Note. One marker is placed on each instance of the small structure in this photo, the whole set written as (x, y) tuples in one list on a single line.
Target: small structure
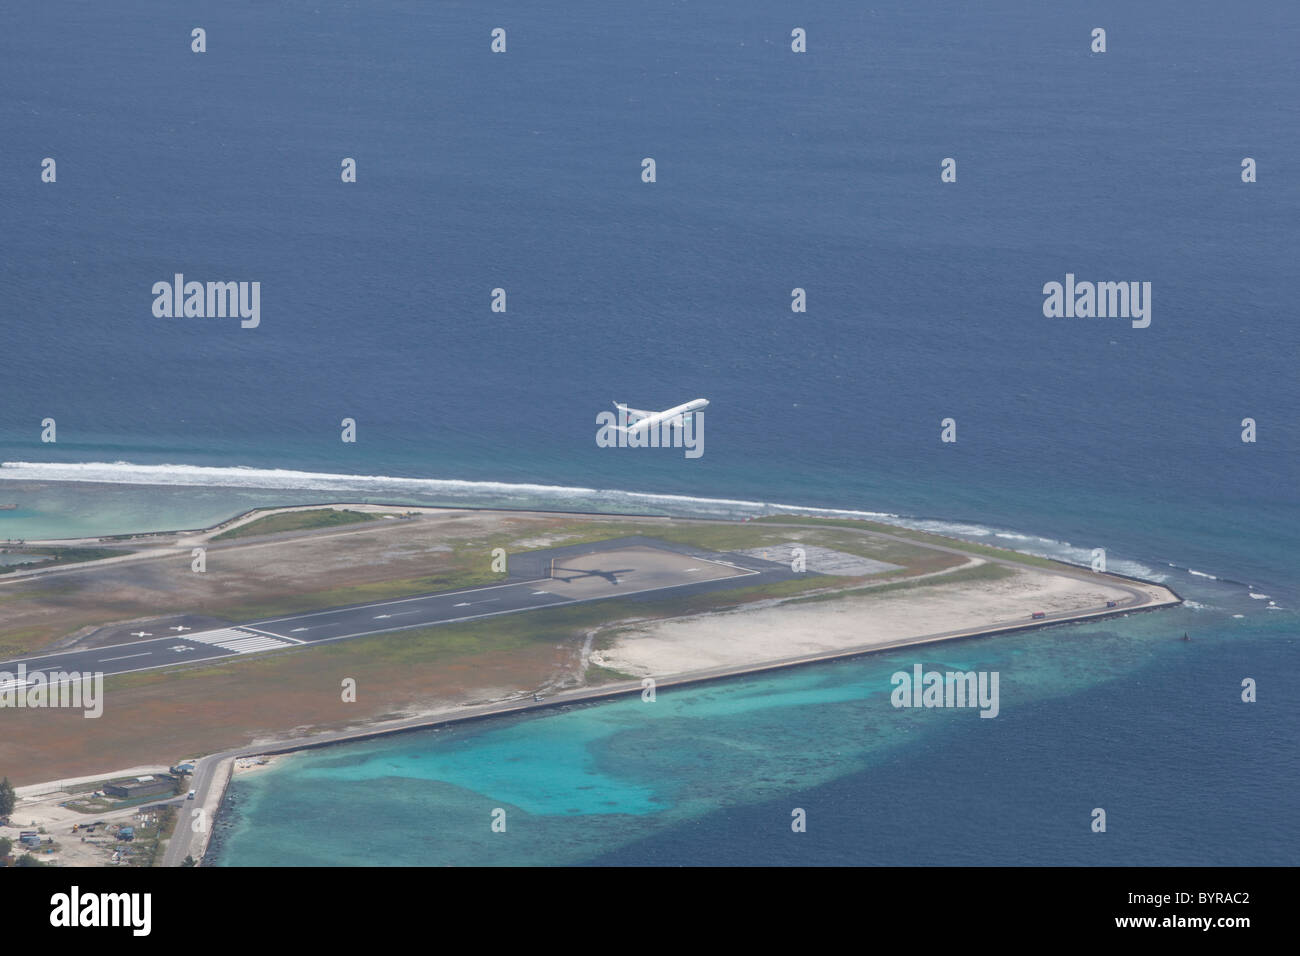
[(142, 787)]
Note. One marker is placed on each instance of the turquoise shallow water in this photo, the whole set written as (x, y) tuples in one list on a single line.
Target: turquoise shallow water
[(713, 771)]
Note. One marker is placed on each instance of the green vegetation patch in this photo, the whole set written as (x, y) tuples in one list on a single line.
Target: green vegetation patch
[(981, 572), (984, 550), (57, 555), (605, 675)]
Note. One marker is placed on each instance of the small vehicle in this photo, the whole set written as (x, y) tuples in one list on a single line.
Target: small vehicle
[(1038, 615), (191, 795), (1110, 603)]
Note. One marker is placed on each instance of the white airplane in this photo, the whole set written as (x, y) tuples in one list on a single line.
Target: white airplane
[(180, 627), (141, 634), (639, 420)]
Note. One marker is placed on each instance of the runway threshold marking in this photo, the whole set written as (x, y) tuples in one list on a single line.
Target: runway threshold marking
[(243, 641)]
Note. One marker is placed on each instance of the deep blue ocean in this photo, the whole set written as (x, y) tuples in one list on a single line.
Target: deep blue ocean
[(775, 170)]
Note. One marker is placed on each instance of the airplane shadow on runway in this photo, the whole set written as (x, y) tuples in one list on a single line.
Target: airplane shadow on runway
[(577, 573)]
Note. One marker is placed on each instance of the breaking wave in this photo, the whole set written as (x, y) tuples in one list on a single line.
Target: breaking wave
[(449, 491), (452, 492)]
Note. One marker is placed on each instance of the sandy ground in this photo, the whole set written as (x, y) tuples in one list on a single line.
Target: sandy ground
[(37, 807), (250, 765), (794, 630)]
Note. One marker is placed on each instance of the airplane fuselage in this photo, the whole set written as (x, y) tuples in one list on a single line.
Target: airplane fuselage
[(654, 421)]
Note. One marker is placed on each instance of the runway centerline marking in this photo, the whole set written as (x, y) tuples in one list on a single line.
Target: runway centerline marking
[(418, 597), (105, 660)]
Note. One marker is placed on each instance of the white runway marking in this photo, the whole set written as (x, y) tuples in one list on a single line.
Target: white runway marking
[(242, 641), (105, 660)]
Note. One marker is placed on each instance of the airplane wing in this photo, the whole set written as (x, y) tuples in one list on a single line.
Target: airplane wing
[(635, 412)]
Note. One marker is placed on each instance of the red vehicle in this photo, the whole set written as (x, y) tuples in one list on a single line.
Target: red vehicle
[(1039, 615)]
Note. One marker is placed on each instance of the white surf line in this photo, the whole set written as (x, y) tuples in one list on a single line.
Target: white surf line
[(125, 657)]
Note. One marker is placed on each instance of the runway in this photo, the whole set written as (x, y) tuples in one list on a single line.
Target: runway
[(622, 568)]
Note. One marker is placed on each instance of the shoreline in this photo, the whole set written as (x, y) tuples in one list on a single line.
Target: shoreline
[(276, 750), (226, 524), (248, 515), (214, 772)]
